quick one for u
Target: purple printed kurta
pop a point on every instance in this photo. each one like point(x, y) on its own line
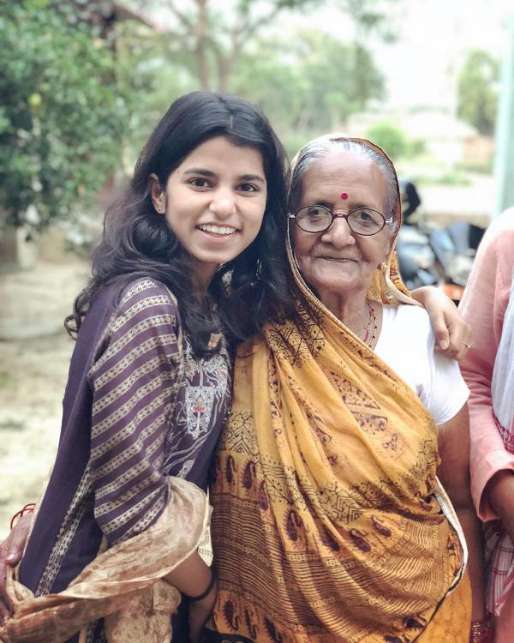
point(138, 407)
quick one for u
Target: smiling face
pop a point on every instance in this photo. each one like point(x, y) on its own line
point(214, 202)
point(338, 262)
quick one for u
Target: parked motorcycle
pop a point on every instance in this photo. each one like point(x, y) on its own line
point(428, 255)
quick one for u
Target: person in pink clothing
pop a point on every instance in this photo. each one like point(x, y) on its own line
point(488, 368)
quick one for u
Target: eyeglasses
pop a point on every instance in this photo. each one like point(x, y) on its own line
point(318, 218)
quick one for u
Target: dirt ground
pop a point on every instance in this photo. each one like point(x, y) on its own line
point(32, 379)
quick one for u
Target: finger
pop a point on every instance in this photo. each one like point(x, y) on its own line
point(459, 355)
point(5, 603)
point(15, 549)
point(459, 341)
point(11, 552)
point(4, 612)
point(463, 341)
point(441, 332)
point(455, 340)
point(3, 574)
point(15, 545)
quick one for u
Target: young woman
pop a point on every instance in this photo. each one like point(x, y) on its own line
point(149, 382)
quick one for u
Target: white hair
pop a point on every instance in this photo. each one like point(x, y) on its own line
point(324, 145)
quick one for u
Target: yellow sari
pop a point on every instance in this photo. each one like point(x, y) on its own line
point(328, 523)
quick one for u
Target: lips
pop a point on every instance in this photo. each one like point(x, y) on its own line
point(340, 259)
point(214, 228)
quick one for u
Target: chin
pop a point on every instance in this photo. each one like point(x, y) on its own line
point(214, 257)
point(340, 286)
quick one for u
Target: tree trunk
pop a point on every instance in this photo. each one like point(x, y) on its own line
point(225, 66)
point(201, 32)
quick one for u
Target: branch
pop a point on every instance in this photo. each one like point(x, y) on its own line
point(182, 17)
point(249, 28)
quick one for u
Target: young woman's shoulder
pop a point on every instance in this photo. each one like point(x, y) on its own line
point(146, 288)
point(143, 312)
point(147, 298)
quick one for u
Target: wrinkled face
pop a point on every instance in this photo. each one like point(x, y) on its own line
point(337, 261)
point(214, 202)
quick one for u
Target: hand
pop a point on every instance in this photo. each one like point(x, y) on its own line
point(11, 551)
point(452, 333)
point(199, 612)
point(500, 492)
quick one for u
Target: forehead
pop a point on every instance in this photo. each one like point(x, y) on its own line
point(341, 170)
point(221, 154)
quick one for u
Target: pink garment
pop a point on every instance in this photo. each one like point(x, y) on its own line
point(483, 306)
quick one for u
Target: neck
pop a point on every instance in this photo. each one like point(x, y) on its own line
point(352, 309)
point(203, 274)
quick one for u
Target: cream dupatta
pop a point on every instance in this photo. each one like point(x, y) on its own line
point(125, 584)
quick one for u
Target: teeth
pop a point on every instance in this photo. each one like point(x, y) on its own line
point(217, 229)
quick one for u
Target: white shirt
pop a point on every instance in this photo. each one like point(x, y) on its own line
point(407, 344)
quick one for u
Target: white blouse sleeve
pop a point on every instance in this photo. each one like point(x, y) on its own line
point(447, 392)
point(407, 344)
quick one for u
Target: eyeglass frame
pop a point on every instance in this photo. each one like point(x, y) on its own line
point(336, 214)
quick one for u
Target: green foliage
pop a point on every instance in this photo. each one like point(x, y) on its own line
point(415, 147)
point(311, 83)
point(390, 138)
point(478, 92)
point(149, 79)
point(215, 38)
point(62, 116)
point(72, 112)
point(370, 16)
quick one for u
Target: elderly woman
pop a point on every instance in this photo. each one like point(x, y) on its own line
point(330, 523)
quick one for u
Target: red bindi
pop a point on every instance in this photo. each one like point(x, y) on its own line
point(344, 195)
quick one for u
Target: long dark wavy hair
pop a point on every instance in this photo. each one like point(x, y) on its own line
point(248, 291)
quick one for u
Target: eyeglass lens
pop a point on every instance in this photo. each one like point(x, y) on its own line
point(365, 221)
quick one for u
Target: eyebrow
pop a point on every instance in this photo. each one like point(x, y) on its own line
point(208, 173)
point(328, 204)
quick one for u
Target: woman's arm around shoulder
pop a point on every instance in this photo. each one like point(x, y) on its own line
point(452, 332)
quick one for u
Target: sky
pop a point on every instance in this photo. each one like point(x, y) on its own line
point(433, 37)
point(423, 65)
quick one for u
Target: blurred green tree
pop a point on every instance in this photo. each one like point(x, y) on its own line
point(62, 115)
point(478, 91)
point(309, 84)
point(216, 38)
point(391, 138)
